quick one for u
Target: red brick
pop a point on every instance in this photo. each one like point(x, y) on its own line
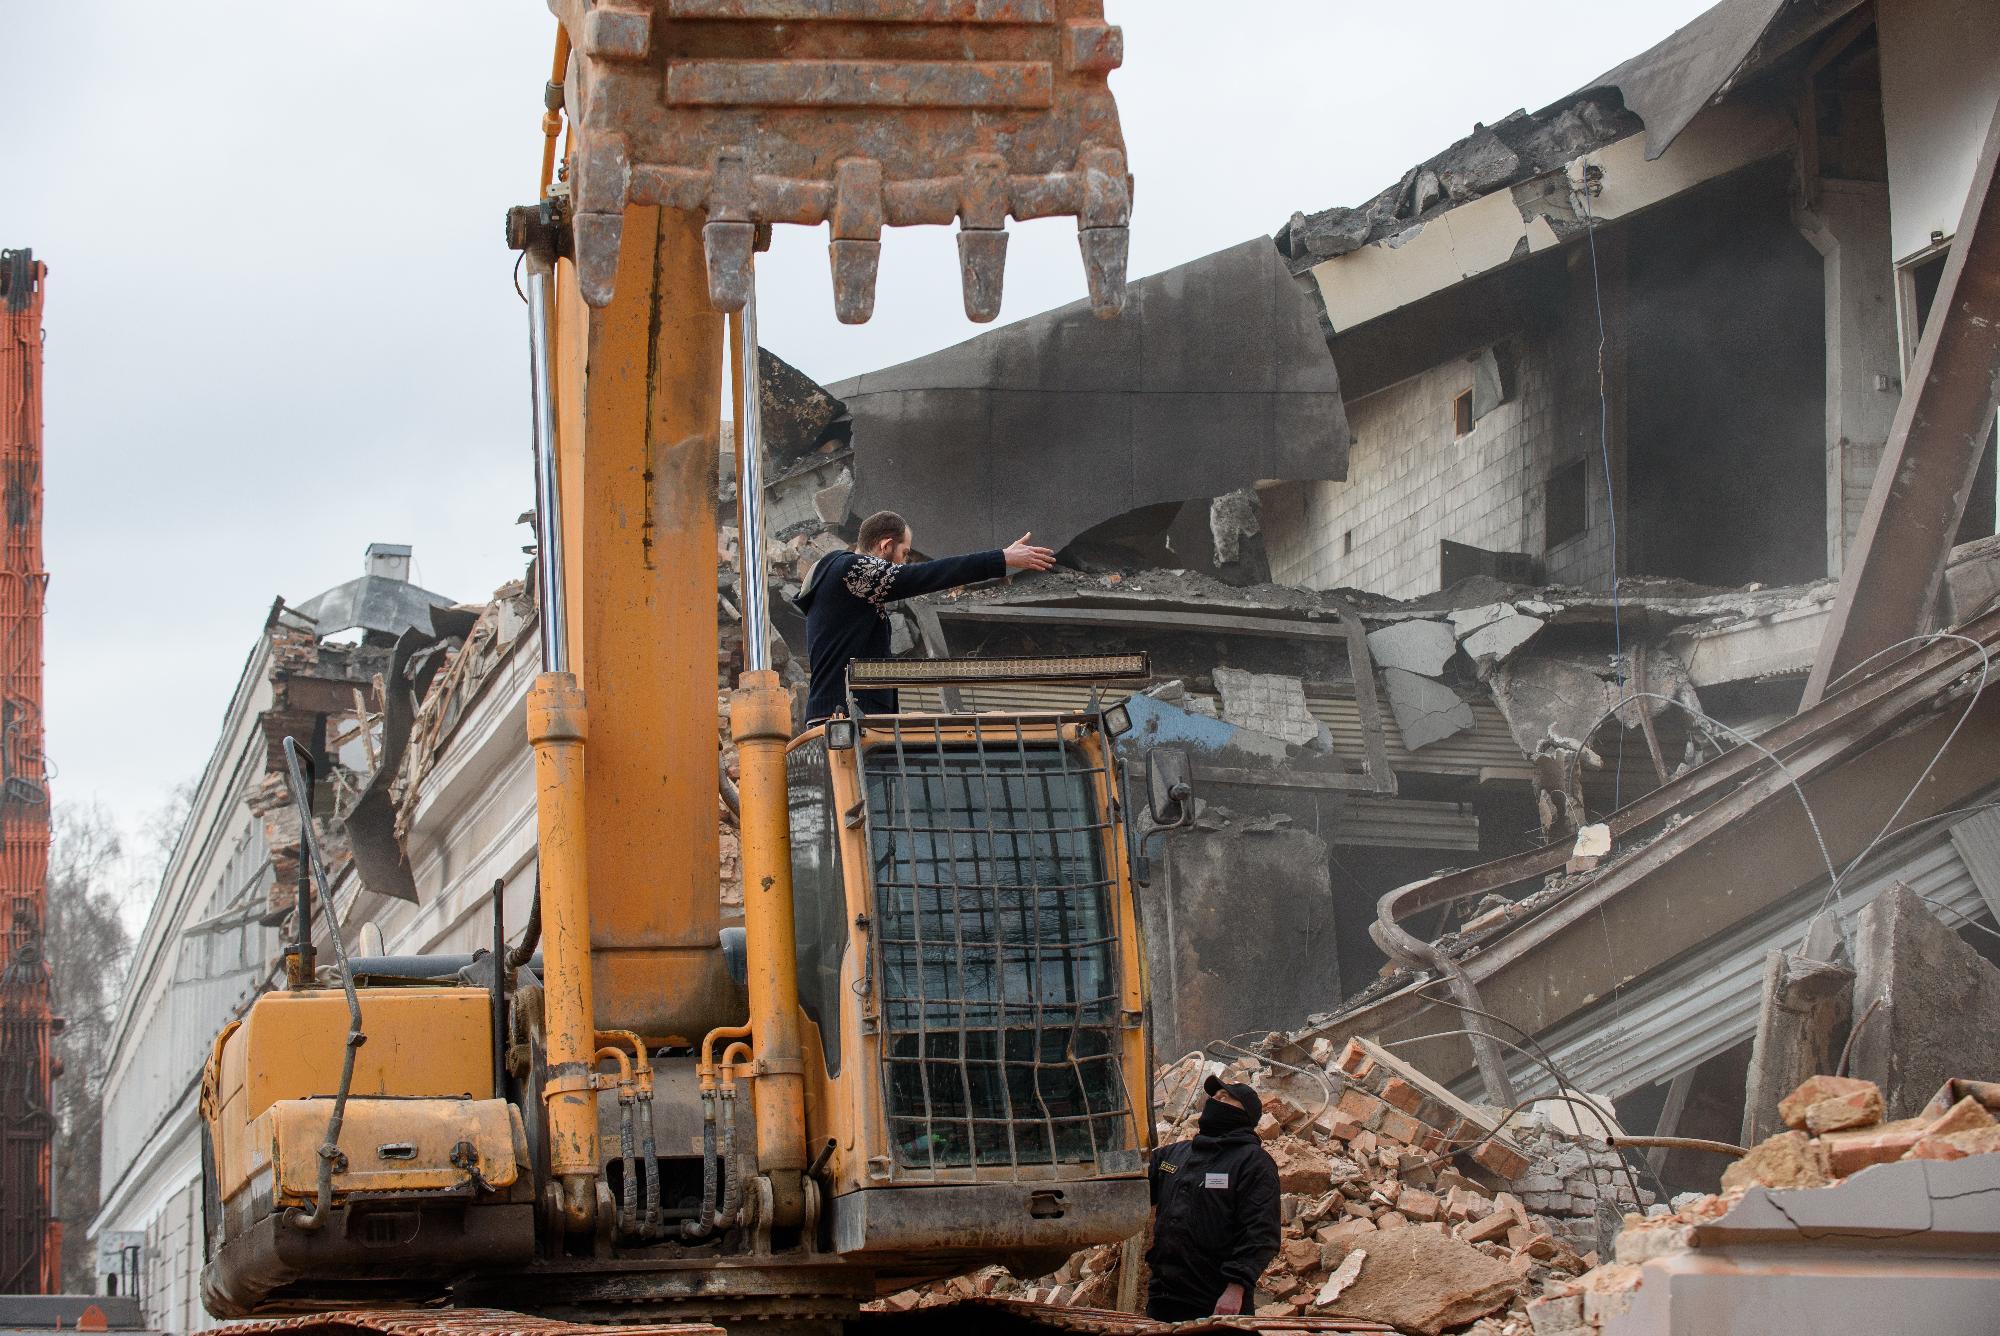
point(1399, 1127)
point(1855, 1108)
point(1851, 1152)
point(1509, 1164)
point(1957, 1145)
point(1402, 1095)
point(1965, 1116)
point(1418, 1204)
point(1354, 1061)
point(1792, 1108)
point(1361, 1106)
point(1493, 1227)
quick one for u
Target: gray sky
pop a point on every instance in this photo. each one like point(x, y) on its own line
point(281, 325)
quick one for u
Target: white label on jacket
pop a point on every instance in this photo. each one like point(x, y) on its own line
point(1216, 1181)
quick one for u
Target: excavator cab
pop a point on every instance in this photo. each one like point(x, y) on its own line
point(971, 969)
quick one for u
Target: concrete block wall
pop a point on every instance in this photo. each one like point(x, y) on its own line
point(1410, 484)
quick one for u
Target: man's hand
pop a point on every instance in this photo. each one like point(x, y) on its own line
point(1231, 1302)
point(1023, 556)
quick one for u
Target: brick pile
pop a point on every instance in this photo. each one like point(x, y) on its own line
point(1396, 1204)
point(1834, 1129)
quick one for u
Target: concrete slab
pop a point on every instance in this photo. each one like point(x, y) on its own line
point(1464, 621)
point(1425, 711)
point(1496, 640)
point(1416, 646)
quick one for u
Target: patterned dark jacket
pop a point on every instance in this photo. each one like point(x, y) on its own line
point(846, 603)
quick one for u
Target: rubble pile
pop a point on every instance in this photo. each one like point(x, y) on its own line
point(1401, 1204)
point(1835, 1129)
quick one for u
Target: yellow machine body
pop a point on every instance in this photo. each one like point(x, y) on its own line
point(431, 1159)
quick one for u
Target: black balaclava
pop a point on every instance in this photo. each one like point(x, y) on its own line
point(1218, 1118)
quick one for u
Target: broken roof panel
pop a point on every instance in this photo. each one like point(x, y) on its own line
point(1215, 377)
point(1666, 85)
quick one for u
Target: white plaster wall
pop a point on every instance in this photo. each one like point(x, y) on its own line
point(1940, 83)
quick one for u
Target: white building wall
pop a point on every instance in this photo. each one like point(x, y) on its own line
point(475, 823)
point(1412, 484)
point(1940, 82)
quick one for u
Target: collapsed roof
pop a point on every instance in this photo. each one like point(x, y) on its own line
point(1216, 377)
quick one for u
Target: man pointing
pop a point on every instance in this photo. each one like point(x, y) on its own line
point(847, 596)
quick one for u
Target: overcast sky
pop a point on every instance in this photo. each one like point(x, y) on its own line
point(281, 324)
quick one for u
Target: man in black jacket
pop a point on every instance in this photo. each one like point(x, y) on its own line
point(847, 596)
point(1216, 1219)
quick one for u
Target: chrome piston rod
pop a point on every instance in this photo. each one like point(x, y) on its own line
point(753, 590)
point(548, 484)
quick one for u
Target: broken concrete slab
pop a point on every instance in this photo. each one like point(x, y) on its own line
point(1425, 711)
point(1923, 1003)
point(1420, 646)
point(1268, 703)
point(1497, 639)
point(1464, 621)
point(1421, 1281)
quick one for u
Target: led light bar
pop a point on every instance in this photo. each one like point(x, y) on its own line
point(880, 674)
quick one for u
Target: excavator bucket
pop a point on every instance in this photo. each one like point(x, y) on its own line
point(858, 113)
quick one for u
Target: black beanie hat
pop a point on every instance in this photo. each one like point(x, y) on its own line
point(1239, 1092)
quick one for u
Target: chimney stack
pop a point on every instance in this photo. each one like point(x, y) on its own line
point(389, 560)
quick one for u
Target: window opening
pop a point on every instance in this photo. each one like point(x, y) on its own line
point(1461, 414)
point(1568, 503)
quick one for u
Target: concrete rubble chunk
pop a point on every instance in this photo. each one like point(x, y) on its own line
point(1793, 1107)
point(1420, 1281)
point(1425, 711)
point(1496, 640)
point(1421, 646)
point(1342, 1279)
point(1787, 1160)
point(1922, 982)
point(1266, 703)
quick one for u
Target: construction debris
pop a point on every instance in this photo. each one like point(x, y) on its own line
point(1835, 1133)
point(1402, 1204)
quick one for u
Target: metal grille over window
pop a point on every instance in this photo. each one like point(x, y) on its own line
point(997, 935)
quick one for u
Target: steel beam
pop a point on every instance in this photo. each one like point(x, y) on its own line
point(1889, 588)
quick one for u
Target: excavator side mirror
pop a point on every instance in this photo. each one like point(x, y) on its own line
point(1169, 786)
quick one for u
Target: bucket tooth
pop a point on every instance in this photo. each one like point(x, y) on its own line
point(982, 265)
point(729, 247)
point(855, 265)
point(596, 237)
point(1104, 252)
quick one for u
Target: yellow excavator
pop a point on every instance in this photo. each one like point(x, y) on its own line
point(925, 1049)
